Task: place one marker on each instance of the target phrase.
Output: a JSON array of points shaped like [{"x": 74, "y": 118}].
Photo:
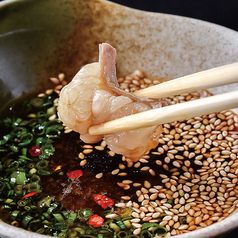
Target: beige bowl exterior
[{"x": 161, "y": 45}]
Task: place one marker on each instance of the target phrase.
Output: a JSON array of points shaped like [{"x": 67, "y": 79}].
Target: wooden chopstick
[
  {"x": 169, "y": 114},
  {"x": 215, "y": 77}
]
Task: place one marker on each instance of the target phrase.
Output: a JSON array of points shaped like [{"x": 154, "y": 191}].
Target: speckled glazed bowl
[{"x": 39, "y": 39}]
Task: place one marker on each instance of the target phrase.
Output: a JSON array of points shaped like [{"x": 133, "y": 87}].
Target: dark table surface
[{"x": 222, "y": 12}]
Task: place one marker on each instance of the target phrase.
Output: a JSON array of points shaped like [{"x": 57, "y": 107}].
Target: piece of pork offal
[{"x": 94, "y": 97}]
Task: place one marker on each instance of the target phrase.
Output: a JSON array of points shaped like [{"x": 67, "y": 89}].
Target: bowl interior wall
[{"x": 39, "y": 39}]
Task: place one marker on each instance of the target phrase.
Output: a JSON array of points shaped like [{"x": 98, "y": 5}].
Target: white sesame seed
[{"x": 99, "y": 175}]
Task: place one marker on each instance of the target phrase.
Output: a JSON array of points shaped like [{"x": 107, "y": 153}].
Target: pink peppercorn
[{"x": 35, "y": 150}]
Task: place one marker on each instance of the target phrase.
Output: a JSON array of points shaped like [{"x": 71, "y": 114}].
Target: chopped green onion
[
  {"x": 18, "y": 177},
  {"x": 14, "y": 164},
  {"x": 45, "y": 202},
  {"x": 23, "y": 158},
  {"x": 52, "y": 132},
  {"x": 35, "y": 178},
  {"x": 30, "y": 165},
  {"x": 35, "y": 225},
  {"x": 47, "y": 216},
  {"x": 48, "y": 149},
  {"x": 26, "y": 139},
  {"x": 58, "y": 217},
  {"x": 14, "y": 148},
  {"x": 51, "y": 111},
  {"x": 146, "y": 234},
  {"x": 122, "y": 234},
  {"x": 14, "y": 214},
  {"x": 84, "y": 214},
  {"x": 43, "y": 141},
  {"x": 10, "y": 193},
  {"x": 43, "y": 164},
  {"x": 182, "y": 220},
  {"x": 24, "y": 151},
  {"x": 66, "y": 214},
  {"x": 73, "y": 233},
  {"x": 18, "y": 187},
  {"x": 32, "y": 171},
  {"x": 8, "y": 200},
  {"x": 80, "y": 230},
  {"x": 17, "y": 121},
  {"x": 115, "y": 227},
  {"x": 41, "y": 230},
  {"x": 56, "y": 207},
  {"x": 15, "y": 223},
  {"x": 2, "y": 186},
  {"x": 36, "y": 102},
  {"x": 170, "y": 201},
  {"x": 160, "y": 231},
  {"x": 62, "y": 235},
  {"x": 121, "y": 224},
  {"x": 7, "y": 138},
  {"x": 19, "y": 130},
  {"x": 72, "y": 217},
  {"x": 27, "y": 208},
  {"x": 22, "y": 203},
  {"x": 2, "y": 142},
  {"x": 127, "y": 223},
  {"x": 40, "y": 114},
  {"x": 33, "y": 187},
  {"x": 38, "y": 130},
  {"x": 44, "y": 172},
  {"x": 6, "y": 207},
  {"x": 32, "y": 115},
  {"x": 7, "y": 122}
]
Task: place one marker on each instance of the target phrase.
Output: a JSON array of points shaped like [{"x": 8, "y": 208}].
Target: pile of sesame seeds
[{"x": 198, "y": 157}]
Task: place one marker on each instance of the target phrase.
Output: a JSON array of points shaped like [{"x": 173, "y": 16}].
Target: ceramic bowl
[{"x": 39, "y": 39}]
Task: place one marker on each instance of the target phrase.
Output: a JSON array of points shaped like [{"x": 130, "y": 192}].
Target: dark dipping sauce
[
  {"x": 79, "y": 192},
  {"x": 174, "y": 163}
]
